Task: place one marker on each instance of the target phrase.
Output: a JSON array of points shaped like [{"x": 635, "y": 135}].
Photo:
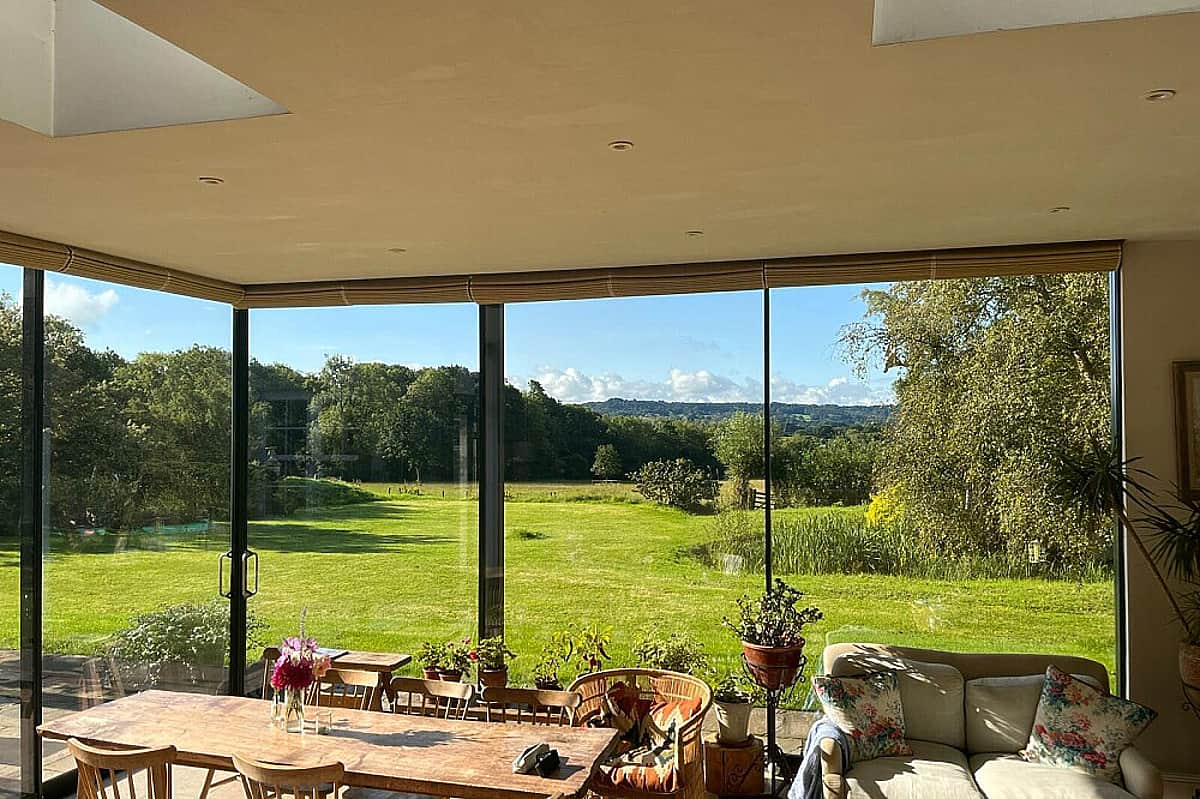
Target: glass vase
[{"x": 293, "y": 710}]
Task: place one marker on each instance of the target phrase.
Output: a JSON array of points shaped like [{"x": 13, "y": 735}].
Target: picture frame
[{"x": 1187, "y": 426}]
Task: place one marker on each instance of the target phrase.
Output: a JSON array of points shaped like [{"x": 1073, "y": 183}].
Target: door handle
[
  {"x": 224, "y": 556},
  {"x": 247, "y": 591}
]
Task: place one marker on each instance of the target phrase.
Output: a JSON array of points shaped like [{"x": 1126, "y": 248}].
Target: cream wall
[{"x": 1160, "y": 284}]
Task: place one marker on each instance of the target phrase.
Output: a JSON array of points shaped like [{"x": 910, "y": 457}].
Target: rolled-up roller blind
[
  {"x": 576, "y": 284},
  {"x": 1026, "y": 259},
  {"x": 53, "y": 257}
]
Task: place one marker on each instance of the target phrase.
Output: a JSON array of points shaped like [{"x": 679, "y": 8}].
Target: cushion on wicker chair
[{"x": 644, "y": 768}]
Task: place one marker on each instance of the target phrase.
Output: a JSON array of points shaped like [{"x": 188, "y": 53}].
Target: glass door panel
[
  {"x": 138, "y": 389},
  {"x": 363, "y": 501}
]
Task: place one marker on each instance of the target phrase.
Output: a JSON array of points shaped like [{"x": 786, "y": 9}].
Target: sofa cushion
[
  {"x": 932, "y": 771},
  {"x": 1000, "y": 711},
  {"x": 931, "y": 694},
  {"x": 1008, "y": 776},
  {"x": 1079, "y": 728},
  {"x": 868, "y": 710}
]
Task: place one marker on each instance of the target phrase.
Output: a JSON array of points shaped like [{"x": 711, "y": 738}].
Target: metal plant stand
[{"x": 774, "y": 755}]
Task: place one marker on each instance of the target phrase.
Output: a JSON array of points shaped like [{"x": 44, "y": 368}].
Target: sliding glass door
[{"x": 363, "y": 501}]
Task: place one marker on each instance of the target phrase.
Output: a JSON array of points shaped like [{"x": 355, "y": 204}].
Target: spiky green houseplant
[{"x": 1098, "y": 481}]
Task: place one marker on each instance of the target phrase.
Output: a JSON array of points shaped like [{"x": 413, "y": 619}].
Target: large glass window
[
  {"x": 918, "y": 427},
  {"x": 614, "y": 485},
  {"x": 10, "y": 517},
  {"x": 138, "y": 389},
  {"x": 363, "y": 501}
]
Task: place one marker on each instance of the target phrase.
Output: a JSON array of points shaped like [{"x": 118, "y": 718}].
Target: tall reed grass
[{"x": 842, "y": 542}]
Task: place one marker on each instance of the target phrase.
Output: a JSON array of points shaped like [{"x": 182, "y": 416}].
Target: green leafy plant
[
  {"x": 607, "y": 465},
  {"x": 734, "y": 687},
  {"x": 1100, "y": 481},
  {"x": 591, "y": 647},
  {"x": 676, "y": 483},
  {"x": 492, "y": 654},
  {"x": 188, "y": 636},
  {"x": 557, "y": 653},
  {"x": 676, "y": 652},
  {"x": 773, "y": 619},
  {"x": 431, "y": 654},
  {"x": 456, "y": 655}
]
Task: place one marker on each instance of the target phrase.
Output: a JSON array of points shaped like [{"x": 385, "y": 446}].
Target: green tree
[
  {"x": 678, "y": 483},
  {"x": 998, "y": 378},
  {"x": 607, "y": 465},
  {"x": 738, "y": 444}
]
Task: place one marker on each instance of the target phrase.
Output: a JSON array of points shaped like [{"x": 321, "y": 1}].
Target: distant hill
[{"x": 795, "y": 417}]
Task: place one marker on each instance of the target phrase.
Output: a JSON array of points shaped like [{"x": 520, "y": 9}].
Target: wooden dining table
[{"x": 415, "y": 754}]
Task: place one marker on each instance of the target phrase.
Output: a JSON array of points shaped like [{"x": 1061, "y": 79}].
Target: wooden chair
[
  {"x": 101, "y": 771},
  {"x": 652, "y": 686},
  {"x": 416, "y": 697},
  {"x": 348, "y": 688},
  {"x": 277, "y": 781},
  {"x": 530, "y": 706}
]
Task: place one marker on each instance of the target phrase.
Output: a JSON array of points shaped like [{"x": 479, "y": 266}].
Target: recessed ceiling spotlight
[
  {"x": 1159, "y": 95},
  {"x": 209, "y": 180},
  {"x": 1059, "y": 209},
  {"x": 398, "y": 249},
  {"x": 620, "y": 145},
  {"x": 694, "y": 234}
]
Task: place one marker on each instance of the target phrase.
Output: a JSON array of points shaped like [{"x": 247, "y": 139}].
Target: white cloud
[
  {"x": 573, "y": 385},
  {"x": 74, "y": 302}
]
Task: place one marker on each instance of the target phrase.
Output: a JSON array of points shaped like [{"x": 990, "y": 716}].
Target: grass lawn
[{"x": 389, "y": 574}]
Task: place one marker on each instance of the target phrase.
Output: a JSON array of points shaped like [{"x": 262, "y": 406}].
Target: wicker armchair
[{"x": 652, "y": 687}]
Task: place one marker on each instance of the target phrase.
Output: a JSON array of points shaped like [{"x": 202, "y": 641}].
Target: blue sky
[{"x": 687, "y": 348}]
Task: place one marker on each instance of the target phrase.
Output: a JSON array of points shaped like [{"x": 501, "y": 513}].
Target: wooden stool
[{"x": 734, "y": 770}]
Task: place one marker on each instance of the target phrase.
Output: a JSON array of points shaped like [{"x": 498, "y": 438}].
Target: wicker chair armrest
[{"x": 833, "y": 785}]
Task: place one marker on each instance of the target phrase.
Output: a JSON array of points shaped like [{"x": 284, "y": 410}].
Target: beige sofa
[{"x": 966, "y": 716}]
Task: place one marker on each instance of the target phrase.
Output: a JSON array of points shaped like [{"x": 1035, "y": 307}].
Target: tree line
[{"x": 145, "y": 440}]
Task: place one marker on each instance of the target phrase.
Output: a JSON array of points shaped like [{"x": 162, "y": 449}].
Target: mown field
[{"x": 389, "y": 574}]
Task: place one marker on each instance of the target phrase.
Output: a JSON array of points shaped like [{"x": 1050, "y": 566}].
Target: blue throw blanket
[{"x": 807, "y": 784}]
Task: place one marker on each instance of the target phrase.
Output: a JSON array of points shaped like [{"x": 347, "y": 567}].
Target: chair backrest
[
  {"x": 101, "y": 771},
  {"x": 415, "y": 697},
  {"x": 279, "y": 781},
  {"x": 349, "y": 688},
  {"x": 269, "y": 656},
  {"x": 530, "y": 705}
]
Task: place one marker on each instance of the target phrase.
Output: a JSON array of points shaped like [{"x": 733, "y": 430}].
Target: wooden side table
[{"x": 734, "y": 770}]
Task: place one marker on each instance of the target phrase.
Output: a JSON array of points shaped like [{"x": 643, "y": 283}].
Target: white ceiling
[
  {"x": 913, "y": 20},
  {"x": 72, "y": 67},
  {"x": 475, "y": 137}
]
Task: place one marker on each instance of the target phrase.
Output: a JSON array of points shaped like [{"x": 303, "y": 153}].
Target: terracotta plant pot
[
  {"x": 450, "y": 675},
  {"x": 493, "y": 678},
  {"x": 431, "y": 673},
  {"x": 733, "y": 722},
  {"x": 774, "y": 667},
  {"x": 1189, "y": 666},
  {"x": 547, "y": 683}
]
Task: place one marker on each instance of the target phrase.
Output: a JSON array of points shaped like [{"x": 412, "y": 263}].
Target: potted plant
[
  {"x": 555, "y": 654},
  {"x": 1100, "y": 483},
  {"x": 456, "y": 659},
  {"x": 676, "y": 652},
  {"x": 430, "y": 656},
  {"x": 491, "y": 658},
  {"x": 733, "y": 700},
  {"x": 591, "y": 647},
  {"x": 771, "y": 630}
]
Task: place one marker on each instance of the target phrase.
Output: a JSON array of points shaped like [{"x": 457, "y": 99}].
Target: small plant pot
[
  {"x": 547, "y": 683},
  {"x": 1189, "y": 668},
  {"x": 450, "y": 675},
  {"x": 733, "y": 722},
  {"x": 493, "y": 678},
  {"x": 431, "y": 673},
  {"x": 773, "y": 667}
]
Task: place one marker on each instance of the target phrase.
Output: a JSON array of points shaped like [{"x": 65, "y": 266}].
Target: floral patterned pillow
[
  {"x": 1080, "y": 728},
  {"x": 867, "y": 708}
]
